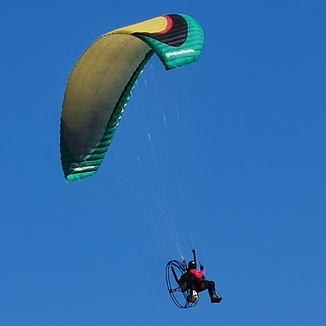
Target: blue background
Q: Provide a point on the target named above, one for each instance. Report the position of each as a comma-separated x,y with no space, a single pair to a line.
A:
227,154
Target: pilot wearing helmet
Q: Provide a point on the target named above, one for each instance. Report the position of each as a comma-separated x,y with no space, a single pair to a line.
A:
196,282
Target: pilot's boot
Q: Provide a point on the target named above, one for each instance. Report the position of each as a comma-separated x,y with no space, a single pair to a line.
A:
215,298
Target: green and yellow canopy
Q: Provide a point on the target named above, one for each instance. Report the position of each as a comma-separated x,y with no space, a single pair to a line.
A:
100,84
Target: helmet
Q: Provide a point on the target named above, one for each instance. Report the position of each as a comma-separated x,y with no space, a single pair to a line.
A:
192,265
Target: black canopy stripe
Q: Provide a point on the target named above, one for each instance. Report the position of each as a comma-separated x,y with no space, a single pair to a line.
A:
176,36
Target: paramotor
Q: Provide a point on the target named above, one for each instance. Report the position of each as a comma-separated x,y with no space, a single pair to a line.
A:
178,290
178,287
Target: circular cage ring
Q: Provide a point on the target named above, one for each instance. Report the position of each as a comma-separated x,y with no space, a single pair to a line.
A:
179,292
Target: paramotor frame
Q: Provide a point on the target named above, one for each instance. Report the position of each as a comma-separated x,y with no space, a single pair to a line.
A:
180,296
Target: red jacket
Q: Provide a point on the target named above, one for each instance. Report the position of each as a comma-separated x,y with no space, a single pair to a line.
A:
197,275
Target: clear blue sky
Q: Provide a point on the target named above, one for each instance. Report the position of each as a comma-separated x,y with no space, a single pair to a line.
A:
238,170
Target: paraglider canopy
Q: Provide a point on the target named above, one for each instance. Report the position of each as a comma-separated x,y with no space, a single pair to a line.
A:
100,84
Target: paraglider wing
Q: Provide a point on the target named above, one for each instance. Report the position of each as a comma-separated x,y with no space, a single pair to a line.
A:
101,82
